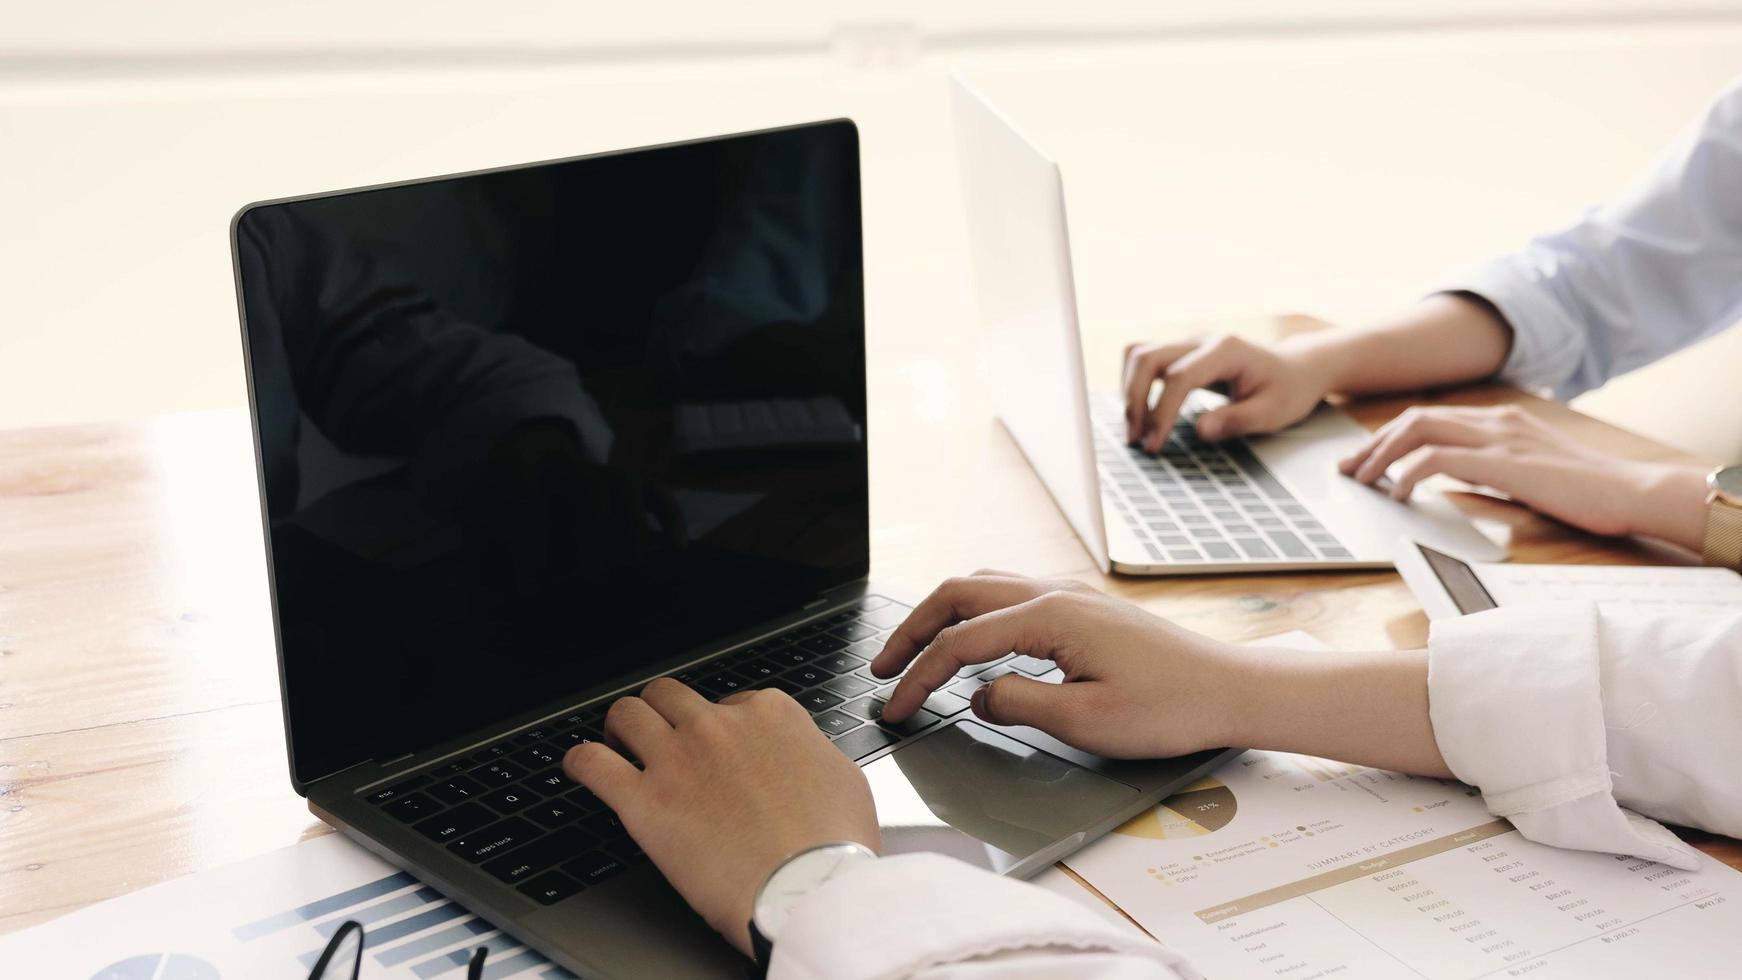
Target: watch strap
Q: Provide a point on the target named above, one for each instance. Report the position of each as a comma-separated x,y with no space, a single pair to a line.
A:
761,951
1723,543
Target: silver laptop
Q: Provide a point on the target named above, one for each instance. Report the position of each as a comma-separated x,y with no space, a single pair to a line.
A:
531,437
1263,504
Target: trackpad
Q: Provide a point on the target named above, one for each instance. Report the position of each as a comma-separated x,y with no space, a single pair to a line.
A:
984,797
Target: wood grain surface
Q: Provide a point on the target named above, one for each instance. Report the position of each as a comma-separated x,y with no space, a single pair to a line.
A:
140,733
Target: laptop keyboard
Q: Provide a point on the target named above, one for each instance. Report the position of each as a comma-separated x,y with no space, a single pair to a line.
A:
1203,502
510,809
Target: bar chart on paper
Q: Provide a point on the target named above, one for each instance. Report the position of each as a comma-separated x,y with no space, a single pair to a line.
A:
271,916
1292,866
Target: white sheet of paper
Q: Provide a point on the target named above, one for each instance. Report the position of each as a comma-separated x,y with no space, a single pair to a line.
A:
269,917
1291,866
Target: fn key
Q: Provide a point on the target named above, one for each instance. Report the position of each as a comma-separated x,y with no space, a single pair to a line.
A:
549,888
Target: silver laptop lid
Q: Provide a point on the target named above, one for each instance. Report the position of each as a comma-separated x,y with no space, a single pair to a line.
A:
1028,306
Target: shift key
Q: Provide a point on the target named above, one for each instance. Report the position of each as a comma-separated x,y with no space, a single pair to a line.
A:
546,852
494,839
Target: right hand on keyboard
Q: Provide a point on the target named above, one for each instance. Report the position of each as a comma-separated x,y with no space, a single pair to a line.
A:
1136,686
1269,387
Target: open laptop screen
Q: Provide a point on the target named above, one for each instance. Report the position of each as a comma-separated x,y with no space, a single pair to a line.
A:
525,431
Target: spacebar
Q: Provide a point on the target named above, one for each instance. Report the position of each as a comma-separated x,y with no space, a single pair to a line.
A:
1272,487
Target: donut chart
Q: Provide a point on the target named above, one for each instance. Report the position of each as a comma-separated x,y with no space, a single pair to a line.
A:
1200,809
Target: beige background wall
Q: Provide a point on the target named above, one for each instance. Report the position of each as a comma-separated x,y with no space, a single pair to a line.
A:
1222,160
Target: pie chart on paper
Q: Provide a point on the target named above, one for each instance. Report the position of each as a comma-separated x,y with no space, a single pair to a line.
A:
1200,809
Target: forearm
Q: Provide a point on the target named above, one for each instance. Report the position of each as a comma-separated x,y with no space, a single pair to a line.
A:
1443,340
1366,708
1670,503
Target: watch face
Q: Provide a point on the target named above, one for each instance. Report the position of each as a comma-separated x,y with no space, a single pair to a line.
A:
1728,481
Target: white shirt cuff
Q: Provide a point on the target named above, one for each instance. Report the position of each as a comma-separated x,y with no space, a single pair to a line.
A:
1515,698
900,916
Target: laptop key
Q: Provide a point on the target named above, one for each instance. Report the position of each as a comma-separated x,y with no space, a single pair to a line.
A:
584,798
1291,546
866,649
494,752
870,709
605,825
481,845
763,668
498,773
839,663
414,806
944,704
793,656
553,813
722,684
569,739
549,888
824,643
1220,550
835,723
1033,666
854,631
397,790
864,740
457,790
807,676
550,782
510,799
783,685
921,720
448,769
871,602
532,735
592,868
1255,548
449,825
817,699
547,851
885,617
848,686
540,755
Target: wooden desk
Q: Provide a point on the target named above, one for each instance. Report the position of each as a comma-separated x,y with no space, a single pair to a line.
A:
140,736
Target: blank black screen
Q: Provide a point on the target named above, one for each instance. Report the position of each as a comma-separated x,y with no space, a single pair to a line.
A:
526,431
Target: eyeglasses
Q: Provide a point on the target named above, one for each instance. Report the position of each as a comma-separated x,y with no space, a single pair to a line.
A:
347,944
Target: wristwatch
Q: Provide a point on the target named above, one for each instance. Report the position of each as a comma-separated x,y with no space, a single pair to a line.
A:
1724,517
794,878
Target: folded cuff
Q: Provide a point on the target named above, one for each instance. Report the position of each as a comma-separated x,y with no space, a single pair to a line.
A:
1515,698
900,915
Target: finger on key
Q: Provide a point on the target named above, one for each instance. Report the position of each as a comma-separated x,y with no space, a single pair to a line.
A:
953,601
632,723
1199,369
1143,364
676,702
600,768
1023,628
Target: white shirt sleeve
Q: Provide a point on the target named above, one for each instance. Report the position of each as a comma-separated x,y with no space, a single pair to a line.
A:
1632,280
932,917
1575,721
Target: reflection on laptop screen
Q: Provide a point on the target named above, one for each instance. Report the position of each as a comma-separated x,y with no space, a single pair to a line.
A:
526,431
